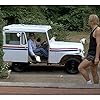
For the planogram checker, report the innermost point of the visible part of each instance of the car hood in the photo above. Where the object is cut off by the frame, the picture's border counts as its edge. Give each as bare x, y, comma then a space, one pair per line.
66, 45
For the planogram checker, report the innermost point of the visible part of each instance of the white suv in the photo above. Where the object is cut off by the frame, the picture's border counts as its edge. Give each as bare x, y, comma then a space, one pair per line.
15, 47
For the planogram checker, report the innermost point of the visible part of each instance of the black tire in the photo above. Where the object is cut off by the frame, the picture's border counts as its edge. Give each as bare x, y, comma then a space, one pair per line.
71, 65
18, 67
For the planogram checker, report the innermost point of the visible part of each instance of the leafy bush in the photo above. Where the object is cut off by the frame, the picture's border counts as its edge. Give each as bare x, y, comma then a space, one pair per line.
3, 67
25, 14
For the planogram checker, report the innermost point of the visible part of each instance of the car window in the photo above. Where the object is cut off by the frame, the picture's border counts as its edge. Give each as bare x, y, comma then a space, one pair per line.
39, 36
11, 38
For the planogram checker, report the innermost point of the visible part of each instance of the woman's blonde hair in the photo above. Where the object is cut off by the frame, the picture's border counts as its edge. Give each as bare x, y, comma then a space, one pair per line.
94, 19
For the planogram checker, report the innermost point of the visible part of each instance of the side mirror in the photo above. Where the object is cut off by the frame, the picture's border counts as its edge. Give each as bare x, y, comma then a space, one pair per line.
18, 34
83, 40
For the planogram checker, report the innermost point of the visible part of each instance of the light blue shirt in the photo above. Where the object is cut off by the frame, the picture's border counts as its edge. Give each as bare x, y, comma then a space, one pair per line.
31, 47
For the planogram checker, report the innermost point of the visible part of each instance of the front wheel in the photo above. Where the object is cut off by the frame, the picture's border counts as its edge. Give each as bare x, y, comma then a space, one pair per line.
18, 67
71, 65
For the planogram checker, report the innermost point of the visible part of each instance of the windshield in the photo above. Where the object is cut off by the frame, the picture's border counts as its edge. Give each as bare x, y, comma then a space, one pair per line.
54, 35
50, 34
39, 36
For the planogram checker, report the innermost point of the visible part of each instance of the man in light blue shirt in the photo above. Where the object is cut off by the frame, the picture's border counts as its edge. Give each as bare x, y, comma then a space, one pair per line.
34, 49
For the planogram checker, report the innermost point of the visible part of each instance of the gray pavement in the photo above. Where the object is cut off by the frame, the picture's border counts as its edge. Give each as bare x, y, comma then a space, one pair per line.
48, 85
47, 80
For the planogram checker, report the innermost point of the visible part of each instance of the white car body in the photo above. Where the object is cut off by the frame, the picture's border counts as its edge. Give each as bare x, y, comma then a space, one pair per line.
19, 52
58, 49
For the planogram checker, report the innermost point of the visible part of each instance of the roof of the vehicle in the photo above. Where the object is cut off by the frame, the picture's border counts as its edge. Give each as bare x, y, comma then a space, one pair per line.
27, 28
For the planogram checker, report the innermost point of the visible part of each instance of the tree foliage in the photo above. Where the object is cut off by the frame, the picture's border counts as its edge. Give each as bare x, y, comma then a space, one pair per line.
72, 18
3, 68
25, 14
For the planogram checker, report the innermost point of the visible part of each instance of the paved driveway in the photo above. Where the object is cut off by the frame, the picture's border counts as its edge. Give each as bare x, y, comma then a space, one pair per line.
43, 76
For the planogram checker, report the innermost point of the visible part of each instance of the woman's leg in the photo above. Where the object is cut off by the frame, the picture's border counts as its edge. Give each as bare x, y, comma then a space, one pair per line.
94, 73
82, 69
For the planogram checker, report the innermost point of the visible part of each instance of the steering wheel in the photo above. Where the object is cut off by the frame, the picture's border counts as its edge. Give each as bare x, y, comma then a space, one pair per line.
44, 44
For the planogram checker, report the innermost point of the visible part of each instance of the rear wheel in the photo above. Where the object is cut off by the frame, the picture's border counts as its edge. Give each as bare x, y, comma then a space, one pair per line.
19, 67
71, 65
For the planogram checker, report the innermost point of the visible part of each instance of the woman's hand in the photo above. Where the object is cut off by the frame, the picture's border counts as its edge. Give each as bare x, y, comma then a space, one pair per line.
96, 61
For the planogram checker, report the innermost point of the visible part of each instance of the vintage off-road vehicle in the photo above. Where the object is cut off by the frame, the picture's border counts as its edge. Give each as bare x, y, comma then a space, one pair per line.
15, 47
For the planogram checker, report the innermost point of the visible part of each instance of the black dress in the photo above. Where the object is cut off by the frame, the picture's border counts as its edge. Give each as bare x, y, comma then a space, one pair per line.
92, 47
